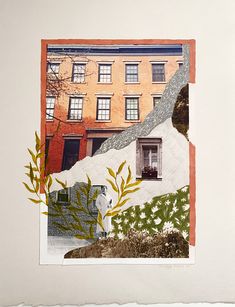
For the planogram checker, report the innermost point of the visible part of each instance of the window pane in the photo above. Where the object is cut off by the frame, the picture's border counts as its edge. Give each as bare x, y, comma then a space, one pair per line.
103, 108
158, 72
79, 73
50, 105
71, 153
131, 73
156, 100
132, 108
104, 73
75, 108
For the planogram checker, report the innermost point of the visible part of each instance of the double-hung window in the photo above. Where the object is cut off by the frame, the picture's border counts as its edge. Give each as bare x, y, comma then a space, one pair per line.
131, 73
158, 72
149, 158
104, 75
50, 106
75, 108
53, 70
103, 108
78, 74
71, 153
132, 108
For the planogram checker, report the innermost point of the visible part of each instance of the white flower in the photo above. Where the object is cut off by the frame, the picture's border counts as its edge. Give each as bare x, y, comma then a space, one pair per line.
155, 209
111, 235
132, 225
120, 227
120, 235
142, 215
174, 209
158, 202
183, 217
183, 199
157, 221
124, 213
148, 221
118, 221
168, 226
140, 224
185, 189
126, 221
184, 234
167, 202
186, 207
142, 206
132, 214
171, 213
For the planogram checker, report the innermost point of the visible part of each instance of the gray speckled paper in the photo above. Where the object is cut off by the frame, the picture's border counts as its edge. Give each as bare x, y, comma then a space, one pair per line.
160, 113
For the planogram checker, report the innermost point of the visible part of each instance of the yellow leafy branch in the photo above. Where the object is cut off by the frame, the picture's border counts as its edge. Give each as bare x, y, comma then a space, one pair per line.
122, 187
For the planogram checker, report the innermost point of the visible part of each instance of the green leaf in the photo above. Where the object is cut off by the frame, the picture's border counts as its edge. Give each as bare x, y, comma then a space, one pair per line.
76, 226
130, 191
91, 231
61, 227
122, 185
113, 185
90, 222
36, 201
111, 172
100, 220
49, 182
88, 183
129, 175
28, 188
34, 168
33, 156
64, 185
121, 203
121, 167
134, 184
31, 175
38, 142
112, 213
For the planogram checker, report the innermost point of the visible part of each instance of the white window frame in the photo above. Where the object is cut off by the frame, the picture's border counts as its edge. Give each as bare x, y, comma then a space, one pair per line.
140, 144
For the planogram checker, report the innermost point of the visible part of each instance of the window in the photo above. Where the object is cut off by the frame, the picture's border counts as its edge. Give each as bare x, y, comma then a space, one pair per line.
156, 100
158, 72
104, 75
148, 158
53, 70
78, 75
180, 64
50, 106
131, 73
97, 142
47, 145
75, 108
103, 109
71, 153
63, 196
132, 108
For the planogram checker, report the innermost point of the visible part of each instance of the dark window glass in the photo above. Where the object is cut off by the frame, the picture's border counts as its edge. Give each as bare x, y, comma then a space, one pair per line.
75, 108
158, 72
131, 73
103, 109
63, 196
71, 153
47, 149
132, 108
104, 73
97, 142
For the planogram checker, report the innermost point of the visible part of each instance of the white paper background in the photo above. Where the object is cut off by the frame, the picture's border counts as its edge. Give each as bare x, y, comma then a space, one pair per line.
22, 25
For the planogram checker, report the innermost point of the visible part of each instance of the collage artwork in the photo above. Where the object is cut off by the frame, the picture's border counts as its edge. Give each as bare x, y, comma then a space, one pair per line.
113, 168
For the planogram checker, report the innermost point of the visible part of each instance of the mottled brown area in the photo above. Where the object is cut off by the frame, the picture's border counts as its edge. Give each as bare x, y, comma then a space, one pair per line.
136, 245
180, 116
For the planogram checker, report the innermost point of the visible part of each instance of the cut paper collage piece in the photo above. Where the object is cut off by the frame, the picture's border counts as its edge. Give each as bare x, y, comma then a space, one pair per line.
160, 203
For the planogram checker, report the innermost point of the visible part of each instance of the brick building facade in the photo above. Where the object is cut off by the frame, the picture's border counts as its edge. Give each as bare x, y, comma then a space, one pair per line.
96, 91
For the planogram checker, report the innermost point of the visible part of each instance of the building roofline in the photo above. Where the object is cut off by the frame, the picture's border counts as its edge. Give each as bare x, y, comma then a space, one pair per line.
174, 49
